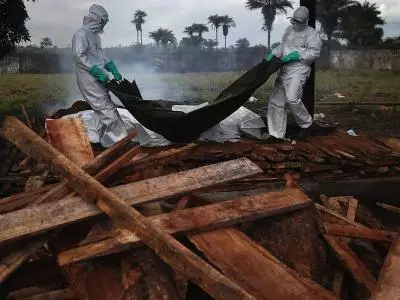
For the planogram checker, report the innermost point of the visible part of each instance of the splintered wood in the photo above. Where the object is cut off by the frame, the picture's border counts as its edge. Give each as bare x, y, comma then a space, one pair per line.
77, 147
119, 225
199, 218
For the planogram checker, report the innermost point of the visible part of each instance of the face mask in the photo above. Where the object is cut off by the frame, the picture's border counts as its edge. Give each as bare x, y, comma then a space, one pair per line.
297, 25
103, 22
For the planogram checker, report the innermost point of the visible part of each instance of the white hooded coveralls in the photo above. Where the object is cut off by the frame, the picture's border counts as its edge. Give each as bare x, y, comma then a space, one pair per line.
288, 88
87, 52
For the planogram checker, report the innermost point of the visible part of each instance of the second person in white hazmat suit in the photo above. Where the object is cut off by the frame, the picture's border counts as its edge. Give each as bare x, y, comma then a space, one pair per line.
91, 71
300, 47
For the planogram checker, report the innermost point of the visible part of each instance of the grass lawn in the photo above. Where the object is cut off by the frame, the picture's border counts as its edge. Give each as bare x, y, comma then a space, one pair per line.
42, 93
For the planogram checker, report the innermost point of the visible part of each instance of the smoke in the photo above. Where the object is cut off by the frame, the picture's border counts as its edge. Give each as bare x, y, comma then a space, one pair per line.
153, 84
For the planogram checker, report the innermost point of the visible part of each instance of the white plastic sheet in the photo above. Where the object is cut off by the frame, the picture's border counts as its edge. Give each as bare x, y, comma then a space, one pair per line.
241, 122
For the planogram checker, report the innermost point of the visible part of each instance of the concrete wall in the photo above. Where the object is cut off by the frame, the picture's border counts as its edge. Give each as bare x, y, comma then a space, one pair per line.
371, 59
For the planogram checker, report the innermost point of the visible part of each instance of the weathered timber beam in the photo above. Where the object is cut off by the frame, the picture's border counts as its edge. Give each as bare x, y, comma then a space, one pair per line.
91, 168
165, 246
389, 278
49, 216
360, 233
244, 261
200, 218
390, 208
352, 263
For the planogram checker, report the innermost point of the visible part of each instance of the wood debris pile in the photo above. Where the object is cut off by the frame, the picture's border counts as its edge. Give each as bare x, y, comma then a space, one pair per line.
197, 221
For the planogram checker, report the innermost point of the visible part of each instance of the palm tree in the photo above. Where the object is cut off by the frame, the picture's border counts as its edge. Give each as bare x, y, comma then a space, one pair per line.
269, 9
189, 30
200, 29
242, 43
216, 22
163, 36
361, 25
328, 14
46, 42
227, 22
139, 20
210, 44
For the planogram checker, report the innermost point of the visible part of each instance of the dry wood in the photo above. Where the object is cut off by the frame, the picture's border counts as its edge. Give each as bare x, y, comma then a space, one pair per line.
34, 220
20, 200
360, 233
90, 166
28, 121
77, 147
244, 261
199, 218
389, 278
338, 274
335, 214
65, 294
351, 262
390, 208
15, 259
165, 246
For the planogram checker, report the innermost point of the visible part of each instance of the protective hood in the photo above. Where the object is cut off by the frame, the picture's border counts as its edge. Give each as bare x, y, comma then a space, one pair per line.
300, 18
96, 19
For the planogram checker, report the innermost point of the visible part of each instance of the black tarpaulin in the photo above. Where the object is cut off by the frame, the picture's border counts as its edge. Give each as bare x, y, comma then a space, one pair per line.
182, 127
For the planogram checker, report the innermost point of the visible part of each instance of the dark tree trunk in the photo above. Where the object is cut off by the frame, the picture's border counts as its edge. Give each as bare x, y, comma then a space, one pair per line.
141, 37
269, 40
225, 41
309, 88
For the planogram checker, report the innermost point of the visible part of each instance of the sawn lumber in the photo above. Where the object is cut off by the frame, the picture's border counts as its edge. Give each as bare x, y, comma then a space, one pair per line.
257, 270
49, 216
200, 218
389, 277
360, 233
165, 246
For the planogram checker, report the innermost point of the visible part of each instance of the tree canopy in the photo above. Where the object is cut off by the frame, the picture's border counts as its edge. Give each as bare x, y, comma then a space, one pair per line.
13, 16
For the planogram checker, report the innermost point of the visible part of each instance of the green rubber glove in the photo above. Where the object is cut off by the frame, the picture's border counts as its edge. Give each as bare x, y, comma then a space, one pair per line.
269, 57
99, 74
292, 57
110, 67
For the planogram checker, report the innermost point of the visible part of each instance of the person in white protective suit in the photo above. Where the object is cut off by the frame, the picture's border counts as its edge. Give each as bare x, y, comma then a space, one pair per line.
300, 47
91, 65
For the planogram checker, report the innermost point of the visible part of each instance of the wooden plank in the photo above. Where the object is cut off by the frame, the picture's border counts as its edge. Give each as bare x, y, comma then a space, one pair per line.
360, 233
14, 260
335, 214
244, 261
351, 262
126, 217
20, 200
49, 216
77, 147
200, 218
60, 190
389, 277
338, 274
390, 208
65, 294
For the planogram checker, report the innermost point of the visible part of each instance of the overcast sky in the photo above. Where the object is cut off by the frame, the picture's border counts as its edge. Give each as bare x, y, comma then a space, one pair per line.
60, 19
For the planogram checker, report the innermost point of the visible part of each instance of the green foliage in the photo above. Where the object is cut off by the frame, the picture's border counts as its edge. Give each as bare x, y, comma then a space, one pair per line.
269, 9
329, 13
361, 25
13, 16
139, 19
216, 22
242, 43
227, 22
46, 42
164, 36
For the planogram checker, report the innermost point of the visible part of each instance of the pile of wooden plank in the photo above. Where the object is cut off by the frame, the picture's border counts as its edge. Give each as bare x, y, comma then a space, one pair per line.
197, 221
